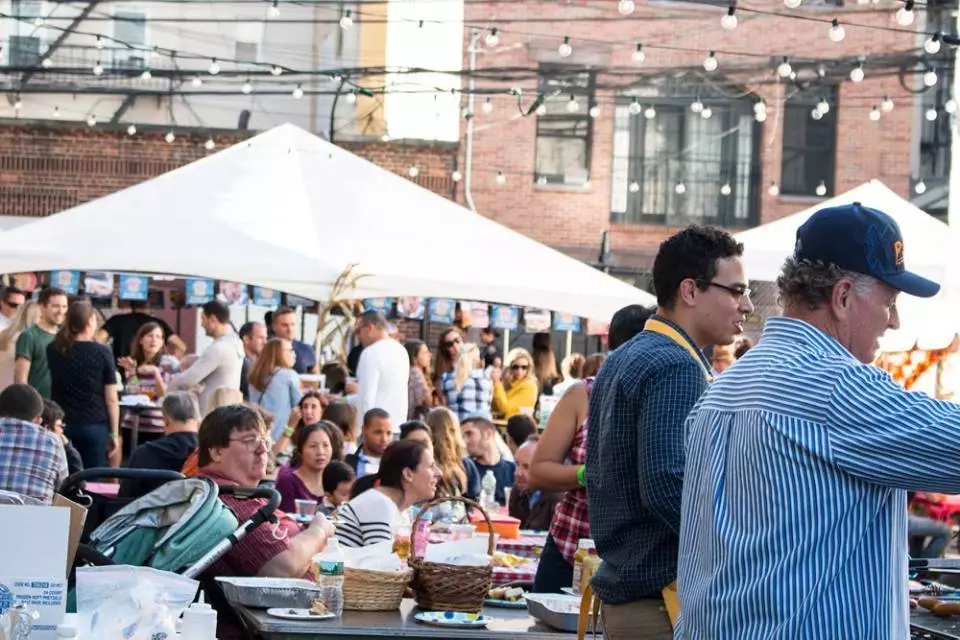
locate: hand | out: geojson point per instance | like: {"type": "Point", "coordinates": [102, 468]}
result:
{"type": "Point", "coordinates": [321, 522]}
{"type": "Point", "coordinates": [295, 417]}
{"type": "Point", "coordinates": [496, 374]}
{"type": "Point", "coordinates": [148, 370]}
{"type": "Point", "coordinates": [115, 451]}
{"type": "Point", "coordinates": [351, 388]}
{"type": "Point", "coordinates": [127, 364]}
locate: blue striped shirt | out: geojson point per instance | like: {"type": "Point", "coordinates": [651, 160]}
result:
{"type": "Point", "coordinates": [794, 509]}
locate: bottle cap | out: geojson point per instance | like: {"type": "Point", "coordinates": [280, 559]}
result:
{"type": "Point", "coordinates": [587, 544]}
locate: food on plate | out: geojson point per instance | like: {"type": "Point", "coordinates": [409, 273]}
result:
{"type": "Point", "coordinates": [514, 594]}
{"type": "Point", "coordinates": [944, 609]}
{"type": "Point", "coordinates": [317, 608]}
{"type": "Point", "coordinates": [508, 560]}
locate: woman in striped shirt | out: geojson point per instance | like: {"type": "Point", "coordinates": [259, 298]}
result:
{"type": "Point", "coordinates": [147, 371]}
{"type": "Point", "coordinates": [407, 476]}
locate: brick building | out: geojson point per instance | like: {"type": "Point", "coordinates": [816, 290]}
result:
{"type": "Point", "coordinates": [641, 171]}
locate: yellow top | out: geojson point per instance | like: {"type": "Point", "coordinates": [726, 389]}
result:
{"type": "Point", "coordinates": [522, 393]}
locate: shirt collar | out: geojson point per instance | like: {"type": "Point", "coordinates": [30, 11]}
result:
{"type": "Point", "coordinates": [685, 336]}
{"type": "Point", "coordinates": [796, 332]}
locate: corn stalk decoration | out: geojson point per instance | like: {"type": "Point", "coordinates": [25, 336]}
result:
{"type": "Point", "coordinates": [332, 332]}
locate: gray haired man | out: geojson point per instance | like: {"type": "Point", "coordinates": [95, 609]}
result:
{"type": "Point", "coordinates": [181, 418]}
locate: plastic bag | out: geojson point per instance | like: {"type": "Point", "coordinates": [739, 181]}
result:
{"type": "Point", "coordinates": [131, 603]}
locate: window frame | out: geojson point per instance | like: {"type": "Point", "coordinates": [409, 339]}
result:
{"type": "Point", "coordinates": [121, 56]}
{"type": "Point", "coordinates": [801, 104]}
{"type": "Point", "coordinates": [545, 72]}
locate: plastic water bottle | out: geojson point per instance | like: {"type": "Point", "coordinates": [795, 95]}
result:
{"type": "Point", "coordinates": [329, 570]}
{"type": "Point", "coordinates": [488, 490]}
{"type": "Point", "coordinates": [199, 622]}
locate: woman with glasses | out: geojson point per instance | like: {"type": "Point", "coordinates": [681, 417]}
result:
{"type": "Point", "coordinates": [516, 390]}
{"type": "Point", "coordinates": [274, 384]}
{"type": "Point", "coordinates": [448, 352]}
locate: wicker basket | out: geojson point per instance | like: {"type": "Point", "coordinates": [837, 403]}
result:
{"type": "Point", "coordinates": [447, 587]}
{"type": "Point", "coordinates": [365, 590]}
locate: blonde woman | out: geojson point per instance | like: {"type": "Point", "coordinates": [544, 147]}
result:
{"type": "Point", "coordinates": [516, 390]}
{"type": "Point", "coordinates": [25, 318]}
{"type": "Point", "coordinates": [458, 473]}
{"type": "Point", "coordinates": [467, 391]}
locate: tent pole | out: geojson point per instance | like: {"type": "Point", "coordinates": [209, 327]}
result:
{"type": "Point", "coordinates": [506, 342]}
{"type": "Point", "coordinates": [471, 102]}
{"type": "Point", "coordinates": [569, 347]}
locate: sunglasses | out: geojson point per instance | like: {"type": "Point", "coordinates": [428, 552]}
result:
{"type": "Point", "coordinates": [452, 343]}
{"type": "Point", "coordinates": [519, 367]}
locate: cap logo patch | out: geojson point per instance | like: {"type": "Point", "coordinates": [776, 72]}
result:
{"type": "Point", "coordinates": [898, 253]}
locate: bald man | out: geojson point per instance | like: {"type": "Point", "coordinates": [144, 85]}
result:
{"type": "Point", "coordinates": [533, 507]}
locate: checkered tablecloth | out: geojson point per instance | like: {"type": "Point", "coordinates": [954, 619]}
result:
{"type": "Point", "coordinates": [525, 547]}
{"type": "Point", "coordinates": [525, 573]}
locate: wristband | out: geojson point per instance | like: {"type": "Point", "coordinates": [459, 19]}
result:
{"type": "Point", "coordinates": [115, 436]}
{"type": "Point", "coordinates": [288, 432]}
{"type": "Point", "coordinates": [582, 475]}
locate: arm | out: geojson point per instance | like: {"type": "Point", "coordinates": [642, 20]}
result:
{"type": "Point", "coordinates": [21, 367]}
{"type": "Point", "coordinates": [198, 372]}
{"type": "Point", "coordinates": [115, 446]}
{"type": "Point", "coordinates": [521, 394]}
{"type": "Point", "coordinates": [293, 387]}
{"type": "Point", "coordinates": [295, 561]}
{"type": "Point", "coordinates": [368, 375]}
{"type": "Point", "coordinates": [661, 411]}
{"type": "Point", "coordinates": [160, 382]}
{"type": "Point", "coordinates": [549, 470]}
{"type": "Point", "coordinates": [881, 433]}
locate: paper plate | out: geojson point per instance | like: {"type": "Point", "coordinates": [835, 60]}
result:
{"type": "Point", "coordinates": [298, 614]}
{"type": "Point", "coordinates": [506, 604]}
{"type": "Point", "coordinates": [452, 619]}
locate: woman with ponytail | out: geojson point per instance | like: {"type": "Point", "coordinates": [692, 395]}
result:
{"type": "Point", "coordinates": [314, 446]}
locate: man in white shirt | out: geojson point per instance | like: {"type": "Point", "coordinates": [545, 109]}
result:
{"type": "Point", "coordinates": [220, 363]}
{"type": "Point", "coordinates": [13, 298]}
{"type": "Point", "coordinates": [384, 369]}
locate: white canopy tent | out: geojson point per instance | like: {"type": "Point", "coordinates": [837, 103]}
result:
{"type": "Point", "coordinates": [931, 249]}
{"type": "Point", "coordinates": [290, 211]}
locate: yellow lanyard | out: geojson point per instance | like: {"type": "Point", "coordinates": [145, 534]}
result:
{"type": "Point", "coordinates": [659, 326]}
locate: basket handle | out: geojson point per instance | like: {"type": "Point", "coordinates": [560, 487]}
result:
{"type": "Point", "coordinates": [491, 541]}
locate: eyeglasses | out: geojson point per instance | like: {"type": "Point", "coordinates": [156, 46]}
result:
{"type": "Point", "coordinates": [738, 291]}
{"type": "Point", "coordinates": [252, 443]}
{"type": "Point", "coordinates": [12, 305]}
{"type": "Point", "coordinates": [519, 367]}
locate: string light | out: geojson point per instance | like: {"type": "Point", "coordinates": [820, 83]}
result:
{"type": "Point", "coordinates": [932, 44]}
{"type": "Point", "coordinates": [197, 81]}
{"type": "Point", "coordinates": [46, 63]}
{"type": "Point", "coordinates": [492, 39]}
{"type": "Point", "coordinates": [784, 69]}
{"type": "Point", "coordinates": [635, 107]}
{"type": "Point", "coordinates": [170, 137]}
{"type": "Point", "coordinates": [856, 75]}
{"type": "Point", "coordinates": [874, 114]}
{"type": "Point", "coordinates": [276, 70]}
{"type": "Point", "coordinates": [792, 4]}
{"type": "Point", "coordinates": [565, 49]}
{"type": "Point", "coordinates": [707, 113]}
{"type": "Point", "coordinates": [542, 110]}
{"type": "Point", "coordinates": [346, 21]}
{"type": "Point", "coordinates": [146, 75]}
{"type": "Point", "coordinates": [823, 106]}
{"type": "Point", "coordinates": [680, 189]}
{"type": "Point", "coordinates": [56, 112]}
{"type": "Point", "coordinates": [91, 120]}
{"type": "Point", "coordinates": [214, 67]}
{"type": "Point", "coordinates": [650, 113]}
{"type": "Point", "coordinates": [920, 188]}
{"type": "Point", "coordinates": [930, 78]}
{"type": "Point", "coordinates": [572, 105]}
{"type": "Point", "coordinates": [950, 106]}
{"type": "Point", "coordinates": [247, 87]}
{"type": "Point", "coordinates": [626, 7]}
{"type": "Point", "coordinates": [729, 20]}
{"type": "Point", "coordinates": [99, 42]}
{"type": "Point", "coordinates": [773, 190]}
{"type": "Point", "coordinates": [298, 92]}
{"type": "Point", "coordinates": [487, 106]}
{"type": "Point", "coordinates": [816, 114]}
{"type": "Point", "coordinates": [594, 111]}
{"type": "Point", "coordinates": [696, 106]}
{"type": "Point", "coordinates": [887, 105]}
{"type": "Point", "coordinates": [456, 176]}
{"type": "Point", "coordinates": [98, 69]}
{"type": "Point", "coordinates": [634, 187]}
{"type": "Point", "coordinates": [837, 33]}
{"type": "Point", "coordinates": [413, 171]}
{"type": "Point", "coordinates": [710, 63]}
{"type": "Point", "coordinates": [725, 189]}
{"type": "Point", "coordinates": [38, 21]}
{"type": "Point", "coordinates": [501, 179]}
{"type": "Point", "coordinates": [274, 11]}
{"type": "Point", "coordinates": [209, 145]}
{"type": "Point", "coordinates": [821, 189]}
{"type": "Point", "coordinates": [639, 55]}
{"type": "Point", "coordinates": [905, 14]}
{"type": "Point", "coordinates": [352, 97]}
{"type": "Point", "coordinates": [760, 116]}
{"type": "Point", "coordinates": [931, 114]}
{"type": "Point", "coordinates": [132, 130]}
{"type": "Point", "coordinates": [17, 103]}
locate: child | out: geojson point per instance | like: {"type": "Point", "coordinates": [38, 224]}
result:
{"type": "Point", "coordinates": [338, 478]}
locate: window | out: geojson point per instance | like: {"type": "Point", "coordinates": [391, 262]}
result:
{"type": "Point", "coordinates": [809, 142]}
{"type": "Point", "coordinates": [935, 135]}
{"type": "Point", "coordinates": [564, 135]}
{"type": "Point", "coordinates": [25, 42]}
{"type": "Point", "coordinates": [674, 166]}
{"type": "Point", "coordinates": [23, 51]}
{"type": "Point", "coordinates": [129, 28]}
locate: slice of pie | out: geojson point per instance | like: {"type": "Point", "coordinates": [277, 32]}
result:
{"type": "Point", "coordinates": [317, 608]}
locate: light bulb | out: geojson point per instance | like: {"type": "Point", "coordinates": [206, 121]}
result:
{"type": "Point", "coordinates": [784, 69]}
{"type": "Point", "coordinates": [146, 75]}
{"type": "Point", "coordinates": [759, 106]}
{"type": "Point", "coordinates": [887, 105]}
{"type": "Point", "coordinates": [352, 97]}
{"type": "Point", "coordinates": [247, 88]}
{"type": "Point", "coordinates": [209, 145]}
{"type": "Point", "coordinates": [706, 113]}
{"type": "Point", "coordinates": [572, 105]}
{"type": "Point", "coordinates": [639, 55]}
{"type": "Point", "coordinates": [874, 114]}
{"type": "Point", "coordinates": [542, 110]}
{"type": "Point", "coordinates": [98, 69]}
{"type": "Point", "coordinates": [17, 104]}
{"type": "Point", "coordinates": [792, 4]}
{"type": "Point", "coordinates": [931, 114]}
{"type": "Point", "coordinates": [298, 92]}
{"type": "Point", "coordinates": [501, 179]}
{"type": "Point", "coordinates": [99, 42]}
{"type": "Point", "coordinates": [565, 49]}
{"type": "Point", "coordinates": [905, 14]}
{"type": "Point", "coordinates": [492, 39]}
{"type": "Point", "coordinates": [932, 45]}
{"type": "Point", "coordinates": [487, 106]}
{"type": "Point", "coordinates": [635, 107]}
{"type": "Point", "coordinates": [56, 112]}
{"type": "Point", "coordinates": [650, 113]}
{"type": "Point", "coordinates": [197, 81]}
{"type": "Point", "coordinates": [274, 11]}
{"type": "Point", "coordinates": [930, 78]}
{"type": "Point", "coordinates": [346, 21]}
{"type": "Point", "coordinates": [921, 187]}
{"type": "Point", "coordinates": [132, 130]}
{"type": "Point", "coordinates": [729, 20]}
{"type": "Point", "coordinates": [680, 189]}
{"type": "Point", "coordinates": [542, 180]}
{"type": "Point", "coordinates": [170, 137]}
{"type": "Point", "coordinates": [385, 137]}
{"type": "Point", "coordinates": [413, 171]}
{"type": "Point", "coordinates": [773, 190]}
{"type": "Point", "coordinates": [214, 67]}
{"type": "Point", "coordinates": [626, 7]}
{"type": "Point", "coordinates": [823, 106]}
{"type": "Point", "coordinates": [725, 189]}
{"type": "Point", "coordinates": [821, 189]}
{"type": "Point", "coordinates": [594, 111]}
{"type": "Point", "coordinates": [710, 63]}
{"type": "Point", "coordinates": [856, 75]}
{"type": "Point", "coordinates": [92, 120]}
{"type": "Point", "coordinates": [634, 187]}
{"type": "Point", "coordinates": [697, 106]}
{"type": "Point", "coordinates": [760, 116]}
{"type": "Point", "coordinates": [950, 106]}
{"type": "Point", "coordinates": [816, 114]}
{"type": "Point", "coordinates": [456, 176]}
{"type": "Point", "coordinates": [836, 33]}
{"type": "Point", "coordinates": [46, 63]}
{"type": "Point", "coordinates": [276, 70]}
{"type": "Point", "coordinates": [38, 21]}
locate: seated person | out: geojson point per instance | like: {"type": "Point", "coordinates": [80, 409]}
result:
{"type": "Point", "coordinates": [417, 430]}
{"type": "Point", "coordinates": [519, 428]}
{"type": "Point", "coordinates": [314, 447]}
{"type": "Point", "coordinates": [338, 479]}
{"type": "Point", "coordinates": [407, 476]}
{"type": "Point", "coordinates": [32, 459]}
{"type": "Point", "coordinates": [52, 421]}
{"type": "Point", "coordinates": [480, 436]}
{"type": "Point", "coordinates": [532, 507]}
{"type": "Point", "coordinates": [181, 421]}
{"type": "Point", "coordinates": [234, 448]}
{"type": "Point", "coordinates": [377, 433]}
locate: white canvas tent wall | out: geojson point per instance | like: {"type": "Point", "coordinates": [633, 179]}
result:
{"type": "Point", "coordinates": [290, 211]}
{"type": "Point", "coordinates": [931, 248]}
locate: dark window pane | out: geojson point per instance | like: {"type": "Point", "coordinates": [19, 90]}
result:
{"type": "Point", "coordinates": [564, 136]}
{"type": "Point", "coordinates": [809, 142]}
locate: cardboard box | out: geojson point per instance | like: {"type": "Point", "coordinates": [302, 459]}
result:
{"type": "Point", "coordinates": [78, 517]}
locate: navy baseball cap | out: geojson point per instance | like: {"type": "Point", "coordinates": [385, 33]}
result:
{"type": "Point", "coordinates": [864, 240]}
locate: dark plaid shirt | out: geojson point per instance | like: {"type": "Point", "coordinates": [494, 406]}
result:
{"type": "Point", "coordinates": [635, 458]}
